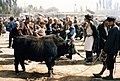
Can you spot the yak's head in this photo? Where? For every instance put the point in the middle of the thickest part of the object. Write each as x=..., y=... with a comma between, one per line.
x=58, y=40
x=67, y=47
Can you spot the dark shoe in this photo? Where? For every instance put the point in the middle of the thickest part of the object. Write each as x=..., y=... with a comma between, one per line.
x=88, y=61
x=108, y=78
x=97, y=75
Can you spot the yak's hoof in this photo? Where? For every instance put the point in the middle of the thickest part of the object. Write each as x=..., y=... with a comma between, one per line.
x=50, y=73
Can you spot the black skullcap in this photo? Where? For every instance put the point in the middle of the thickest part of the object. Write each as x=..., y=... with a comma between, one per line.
x=89, y=17
x=111, y=18
x=11, y=18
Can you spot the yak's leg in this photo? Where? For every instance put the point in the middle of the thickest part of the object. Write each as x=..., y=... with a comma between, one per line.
x=22, y=65
x=49, y=64
x=16, y=63
x=69, y=56
x=53, y=63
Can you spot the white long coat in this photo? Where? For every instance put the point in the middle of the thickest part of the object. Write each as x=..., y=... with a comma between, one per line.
x=89, y=40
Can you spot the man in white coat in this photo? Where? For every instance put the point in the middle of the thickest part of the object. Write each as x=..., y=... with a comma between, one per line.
x=89, y=41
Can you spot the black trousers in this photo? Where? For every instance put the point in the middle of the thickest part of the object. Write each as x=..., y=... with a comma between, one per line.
x=89, y=56
x=10, y=39
x=110, y=62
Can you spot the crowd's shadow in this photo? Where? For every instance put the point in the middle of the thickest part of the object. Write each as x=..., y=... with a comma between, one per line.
x=7, y=62
x=4, y=43
x=6, y=59
x=6, y=56
x=22, y=75
x=62, y=61
x=69, y=62
x=75, y=62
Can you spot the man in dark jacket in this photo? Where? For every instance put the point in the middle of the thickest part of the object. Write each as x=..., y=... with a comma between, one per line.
x=56, y=26
x=49, y=26
x=25, y=27
x=103, y=33
x=110, y=48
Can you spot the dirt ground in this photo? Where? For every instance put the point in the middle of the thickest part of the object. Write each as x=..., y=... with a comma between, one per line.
x=64, y=69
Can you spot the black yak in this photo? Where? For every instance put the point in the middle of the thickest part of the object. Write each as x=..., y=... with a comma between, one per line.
x=36, y=49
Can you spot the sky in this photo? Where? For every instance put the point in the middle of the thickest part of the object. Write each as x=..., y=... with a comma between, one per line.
x=62, y=5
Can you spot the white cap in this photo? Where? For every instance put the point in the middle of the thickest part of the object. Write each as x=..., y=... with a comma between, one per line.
x=51, y=18
x=55, y=18
x=45, y=19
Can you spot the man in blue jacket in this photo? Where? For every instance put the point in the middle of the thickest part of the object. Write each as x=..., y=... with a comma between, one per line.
x=71, y=36
x=72, y=33
x=49, y=26
x=9, y=28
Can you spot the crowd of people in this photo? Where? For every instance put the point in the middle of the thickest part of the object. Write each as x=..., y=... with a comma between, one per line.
x=98, y=37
